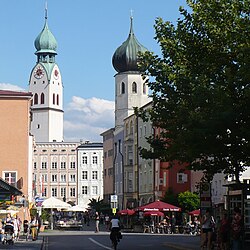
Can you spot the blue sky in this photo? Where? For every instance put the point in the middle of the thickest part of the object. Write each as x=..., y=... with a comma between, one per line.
x=87, y=33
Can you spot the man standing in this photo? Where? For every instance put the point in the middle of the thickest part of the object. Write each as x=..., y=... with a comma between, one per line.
x=173, y=224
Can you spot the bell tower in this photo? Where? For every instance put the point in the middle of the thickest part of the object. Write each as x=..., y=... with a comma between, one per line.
x=131, y=88
x=45, y=83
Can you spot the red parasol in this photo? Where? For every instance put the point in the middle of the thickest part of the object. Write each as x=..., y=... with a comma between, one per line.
x=153, y=213
x=159, y=206
x=126, y=212
x=195, y=212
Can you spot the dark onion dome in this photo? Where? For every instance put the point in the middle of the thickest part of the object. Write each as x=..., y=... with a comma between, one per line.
x=125, y=57
x=45, y=41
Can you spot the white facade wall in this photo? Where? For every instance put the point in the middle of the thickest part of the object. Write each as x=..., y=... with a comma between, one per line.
x=60, y=172
x=90, y=173
x=30, y=173
x=146, y=176
x=218, y=191
x=125, y=102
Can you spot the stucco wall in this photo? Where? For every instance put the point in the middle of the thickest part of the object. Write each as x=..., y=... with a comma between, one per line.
x=14, y=138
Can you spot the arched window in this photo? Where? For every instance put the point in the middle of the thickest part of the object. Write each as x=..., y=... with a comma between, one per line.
x=127, y=131
x=134, y=87
x=57, y=99
x=123, y=88
x=42, y=98
x=54, y=99
x=144, y=88
x=36, y=98
x=131, y=127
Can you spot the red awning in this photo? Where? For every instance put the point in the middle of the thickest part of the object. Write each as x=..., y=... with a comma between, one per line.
x=126, y=212
x=153, y=213
x=159, y=206
x=195, y=212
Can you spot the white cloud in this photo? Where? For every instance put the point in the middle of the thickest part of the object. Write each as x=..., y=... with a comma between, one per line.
x=86, y=119
x=9, y=86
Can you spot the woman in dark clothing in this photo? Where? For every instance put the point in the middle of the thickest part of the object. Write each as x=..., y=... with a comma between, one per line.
x=224, y=232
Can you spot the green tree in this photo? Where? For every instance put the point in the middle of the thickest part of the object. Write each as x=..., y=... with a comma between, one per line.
x=188, y=201
x=170, y=197
x=97, y=204
x=200, y=87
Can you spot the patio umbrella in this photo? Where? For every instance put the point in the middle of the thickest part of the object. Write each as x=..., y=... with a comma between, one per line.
x=195, y=212
x=126, y=212
x=11, y=212
x=76, y=208
x=153, y=213
x=52, y=202
x=159, y=206
x=14, y=208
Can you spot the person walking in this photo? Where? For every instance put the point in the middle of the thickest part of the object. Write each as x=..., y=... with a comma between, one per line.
x=107, y=221
x=237, y=229
x=33, y=227
x=8, y=219
x=207, y=230
x=173, y=224
x=39, y=221
x=224, y=232
x=17, y=227
x=97, y=221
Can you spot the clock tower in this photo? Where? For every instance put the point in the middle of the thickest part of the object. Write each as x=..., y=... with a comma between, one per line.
x=45, y=83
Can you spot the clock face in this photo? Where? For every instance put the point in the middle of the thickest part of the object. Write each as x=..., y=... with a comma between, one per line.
x=39, y=72
x=56, y=74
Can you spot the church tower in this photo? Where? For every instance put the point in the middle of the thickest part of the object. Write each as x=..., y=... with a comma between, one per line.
x=45, y=83
x=131, y=89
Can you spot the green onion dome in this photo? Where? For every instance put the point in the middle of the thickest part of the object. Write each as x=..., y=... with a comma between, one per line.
x=125, y=57
x=45, y=41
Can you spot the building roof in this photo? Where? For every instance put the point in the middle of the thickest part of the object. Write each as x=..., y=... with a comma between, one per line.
x=6, y=187
x=11, y=93
x=125, y=56
x=91, y=145
x=110, y=130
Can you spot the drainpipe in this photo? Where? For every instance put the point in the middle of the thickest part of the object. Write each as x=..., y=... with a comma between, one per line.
x=137, y=160
x=154, y=175
x=114, y=160
x=123, y=184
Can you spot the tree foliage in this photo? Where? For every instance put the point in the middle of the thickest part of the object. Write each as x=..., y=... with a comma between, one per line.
x=170, y=197
x=200, y=87
x=188, y=201
x=97, y=204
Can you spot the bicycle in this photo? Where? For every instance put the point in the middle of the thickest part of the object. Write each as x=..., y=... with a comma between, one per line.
x=115, y=237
